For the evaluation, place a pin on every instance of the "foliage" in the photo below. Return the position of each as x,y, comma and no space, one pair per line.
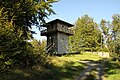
14,50
39,52
39,47
87,35
16,20
105,28
22,14
111,33
116,35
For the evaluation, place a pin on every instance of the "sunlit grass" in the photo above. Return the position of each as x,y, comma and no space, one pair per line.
73,58
66,67
111,70
113,76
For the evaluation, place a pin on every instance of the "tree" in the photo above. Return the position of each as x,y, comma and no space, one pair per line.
22,14
116,26
39,47
111,33
16,20
116,35
87,35
106,33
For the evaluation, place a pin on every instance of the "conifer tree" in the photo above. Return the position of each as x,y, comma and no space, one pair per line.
17,18
87,35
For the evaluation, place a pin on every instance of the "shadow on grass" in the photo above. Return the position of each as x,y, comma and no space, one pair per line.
69,71
111,67
25,74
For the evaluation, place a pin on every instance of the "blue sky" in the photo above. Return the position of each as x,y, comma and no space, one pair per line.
70,10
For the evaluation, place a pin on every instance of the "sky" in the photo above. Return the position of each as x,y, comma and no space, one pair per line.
71,10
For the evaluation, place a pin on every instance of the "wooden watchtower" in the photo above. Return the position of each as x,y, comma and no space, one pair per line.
57,33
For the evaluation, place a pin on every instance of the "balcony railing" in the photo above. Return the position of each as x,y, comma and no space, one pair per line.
44,31
67,31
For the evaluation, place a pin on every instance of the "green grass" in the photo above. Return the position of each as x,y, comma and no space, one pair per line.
68,67
65,67
111,70
114,76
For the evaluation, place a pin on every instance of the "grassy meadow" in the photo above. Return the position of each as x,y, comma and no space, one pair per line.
69,67
66,67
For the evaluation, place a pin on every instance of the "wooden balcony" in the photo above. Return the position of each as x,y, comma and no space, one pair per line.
46,32
66,31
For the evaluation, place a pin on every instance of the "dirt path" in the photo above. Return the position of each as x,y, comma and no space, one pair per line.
91,66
